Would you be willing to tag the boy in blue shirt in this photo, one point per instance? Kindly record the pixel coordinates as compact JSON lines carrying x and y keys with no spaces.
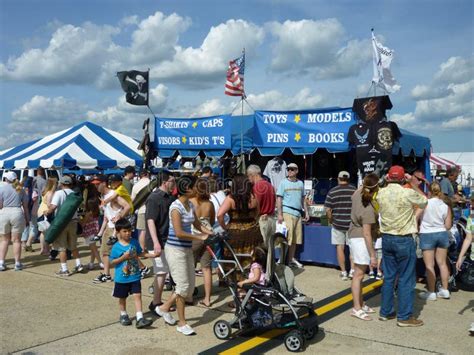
{"x":124,"y":257}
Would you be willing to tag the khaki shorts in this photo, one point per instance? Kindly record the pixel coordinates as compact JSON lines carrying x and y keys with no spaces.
{"x":339,"y":237}
{"x":67,"y":239}
{"x":201,"y":254}
{"x":12,"y":221}
{"x":104,"y":248}
{"x":295,"y":229}
{"x":141,"y":223}
{"x":267,"y":226}
{"x":181,"y":263}
{"x":160,"y":264}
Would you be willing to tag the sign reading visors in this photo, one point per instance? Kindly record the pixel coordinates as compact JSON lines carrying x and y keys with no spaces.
{"x":193,"y":133}
{"x":320,"y":129}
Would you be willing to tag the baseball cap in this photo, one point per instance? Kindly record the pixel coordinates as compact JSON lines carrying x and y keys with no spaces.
{"x":115,"y":178}
{"x":10,"y":176}
{"x":343,"y":175}
{"x":396,"y":173}
{"x":97,"y":179}
{"x":292,"y":165}
{"x":65,"y":180}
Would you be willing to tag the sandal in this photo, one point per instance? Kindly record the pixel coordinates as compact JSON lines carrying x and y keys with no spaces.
{"x":360,"y":314}
{"x":201,"y":302}
{"x":367,"y":309}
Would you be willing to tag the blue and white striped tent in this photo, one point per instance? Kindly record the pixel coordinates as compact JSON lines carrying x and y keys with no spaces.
{"x":85,"y":146}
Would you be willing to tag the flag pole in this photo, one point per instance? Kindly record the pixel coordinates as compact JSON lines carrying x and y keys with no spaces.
{"x":242,"y":98}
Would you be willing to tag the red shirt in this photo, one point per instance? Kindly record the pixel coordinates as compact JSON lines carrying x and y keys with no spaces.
{"x":265,"y":195}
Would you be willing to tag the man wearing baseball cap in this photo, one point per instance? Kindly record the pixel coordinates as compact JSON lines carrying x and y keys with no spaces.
{"x":338,"y":209}
{"x":293,"y":209}
{"x":67,"y":239}
{"x":398,"y":225}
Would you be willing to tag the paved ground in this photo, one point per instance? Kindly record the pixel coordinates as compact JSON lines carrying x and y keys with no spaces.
{"x":42,"y":314}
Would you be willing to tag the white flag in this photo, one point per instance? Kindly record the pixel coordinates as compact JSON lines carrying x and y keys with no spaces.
{"x":382,"y":58}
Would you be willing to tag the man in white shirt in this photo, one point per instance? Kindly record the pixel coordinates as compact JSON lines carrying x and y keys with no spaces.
{"x":67,"y":239}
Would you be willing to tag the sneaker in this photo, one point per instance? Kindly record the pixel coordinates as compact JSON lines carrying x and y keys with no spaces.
{"x":371,"y":275}
{"x":166,"y":316}
{"x":125,"y":320}
{"x":427,"y":296}
{"x":386,"y":318}
{"x":343,"y":276}
{"x":112,"y":240}
{"x":442,"y":293}
{"x":3,"y":267}
{"x":351,"y":274}
{"x":471,"y":330}
{"x":412,"y":322}
{"x":185,"y":329}
{"x":198,"y":273}
{"x":18,"y":267}
{"x":62,"y":273}
{"x":144,"y":272}
{"x":101,"y":265}
{"x":101,"y":278}
{"x":143,"y":323}
{"x":296,"y":263}
{"x":379,"y":276}
{"x":79,"y":268}
{"x":90,"y":266}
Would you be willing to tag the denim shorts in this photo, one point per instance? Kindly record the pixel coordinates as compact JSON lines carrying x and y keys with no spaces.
{"x":431,"y":241}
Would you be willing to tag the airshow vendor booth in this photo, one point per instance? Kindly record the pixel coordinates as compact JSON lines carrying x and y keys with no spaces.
{"x":317,"y":140}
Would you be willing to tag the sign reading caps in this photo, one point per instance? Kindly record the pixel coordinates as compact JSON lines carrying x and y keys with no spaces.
{"x":193,"y":133}
{"x":322,"y":128}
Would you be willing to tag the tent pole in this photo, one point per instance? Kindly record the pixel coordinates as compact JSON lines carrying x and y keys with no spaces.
{"x":242,"y":136}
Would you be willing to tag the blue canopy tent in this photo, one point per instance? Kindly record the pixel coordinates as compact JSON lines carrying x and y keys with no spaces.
{"x":84,"y":146}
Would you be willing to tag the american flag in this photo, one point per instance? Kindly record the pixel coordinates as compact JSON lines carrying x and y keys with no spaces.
{"x":234,"y":86}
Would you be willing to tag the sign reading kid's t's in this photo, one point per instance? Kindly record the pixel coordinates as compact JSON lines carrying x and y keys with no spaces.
{"x":322,"y":128}
{"x":192,"y":133}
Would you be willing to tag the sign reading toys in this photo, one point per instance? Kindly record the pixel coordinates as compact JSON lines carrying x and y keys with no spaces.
{"x":321,"y":129}
{"x":192,"y":133}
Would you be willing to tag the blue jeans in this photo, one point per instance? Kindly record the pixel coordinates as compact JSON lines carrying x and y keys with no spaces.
{"x":398,"y":261}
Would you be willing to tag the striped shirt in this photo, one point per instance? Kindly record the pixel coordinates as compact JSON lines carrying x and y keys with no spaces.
{"x":339,"y":200}
{"x":187,"y":219}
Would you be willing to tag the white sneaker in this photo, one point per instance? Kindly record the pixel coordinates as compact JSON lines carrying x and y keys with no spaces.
{"x":351,"y":274}
{"x":427,"y":296}
{"x":471,"y":330}
{"x":442,"y":293}
{"x":343,"y":276}
{"x":185,"y":329}
{"x":166,"y":316}
{"x":297,"y":263}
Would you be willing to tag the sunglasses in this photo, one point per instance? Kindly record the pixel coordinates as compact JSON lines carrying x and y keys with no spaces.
{"x":291,"y":169}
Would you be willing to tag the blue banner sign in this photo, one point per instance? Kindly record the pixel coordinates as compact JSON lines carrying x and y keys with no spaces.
{"x":193,"y":133}
{"x":327,"y":128}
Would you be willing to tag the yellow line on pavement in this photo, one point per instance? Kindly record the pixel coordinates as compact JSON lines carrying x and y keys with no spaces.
{"x":263,"y":338}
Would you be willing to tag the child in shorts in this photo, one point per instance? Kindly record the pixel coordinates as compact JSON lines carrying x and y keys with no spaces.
{"x":124,"y":257}
{"x":90,"y":228}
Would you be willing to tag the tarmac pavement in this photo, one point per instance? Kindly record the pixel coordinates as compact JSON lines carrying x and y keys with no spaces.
{"x":45,"y":314}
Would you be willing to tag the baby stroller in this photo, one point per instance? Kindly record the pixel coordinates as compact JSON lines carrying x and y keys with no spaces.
{"x":278,"y":304}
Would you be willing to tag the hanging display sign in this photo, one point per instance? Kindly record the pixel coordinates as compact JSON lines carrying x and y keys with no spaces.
{"x":193,"y":133}
{"x":320,"y":129}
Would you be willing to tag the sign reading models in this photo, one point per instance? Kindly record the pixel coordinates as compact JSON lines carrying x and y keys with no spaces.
{"x":193,"y":133}
{"x":319,"y":129}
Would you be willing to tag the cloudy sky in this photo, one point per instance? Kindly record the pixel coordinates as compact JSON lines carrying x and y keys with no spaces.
{"x":59,"y":58}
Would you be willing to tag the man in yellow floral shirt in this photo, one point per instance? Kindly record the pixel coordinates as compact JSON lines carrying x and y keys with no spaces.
{"x":397,"y":225}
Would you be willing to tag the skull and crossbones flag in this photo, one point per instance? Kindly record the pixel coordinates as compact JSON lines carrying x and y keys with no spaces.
{"x":135,"y":85}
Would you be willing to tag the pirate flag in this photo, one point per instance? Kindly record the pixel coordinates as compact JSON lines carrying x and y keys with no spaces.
{"x":135,"y":84}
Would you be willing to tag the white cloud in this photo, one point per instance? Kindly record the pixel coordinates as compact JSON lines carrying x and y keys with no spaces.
{"x":317,"y":47}
{"x":447,"y":102}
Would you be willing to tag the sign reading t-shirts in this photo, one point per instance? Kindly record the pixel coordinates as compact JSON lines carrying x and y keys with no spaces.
{"x":193,"y":133}
{"x":320,"y":129}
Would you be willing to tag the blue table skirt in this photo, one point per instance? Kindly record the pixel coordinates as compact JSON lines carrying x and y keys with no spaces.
{"x":317,"y":247}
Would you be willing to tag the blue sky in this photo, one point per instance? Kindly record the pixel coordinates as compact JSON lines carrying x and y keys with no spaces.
{"x":58,"y":61}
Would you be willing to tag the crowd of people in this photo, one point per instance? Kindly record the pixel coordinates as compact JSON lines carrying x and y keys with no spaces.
{"x":379,"y":224}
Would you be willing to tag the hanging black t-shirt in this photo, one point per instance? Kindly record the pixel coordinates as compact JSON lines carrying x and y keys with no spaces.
{"x":372,"y":109}
{"x":360,"y":135}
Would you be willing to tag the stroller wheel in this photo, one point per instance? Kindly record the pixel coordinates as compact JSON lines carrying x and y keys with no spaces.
{"x":294,"y":341}
{"x":222,"y":330}
{"x":310,"y":333}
